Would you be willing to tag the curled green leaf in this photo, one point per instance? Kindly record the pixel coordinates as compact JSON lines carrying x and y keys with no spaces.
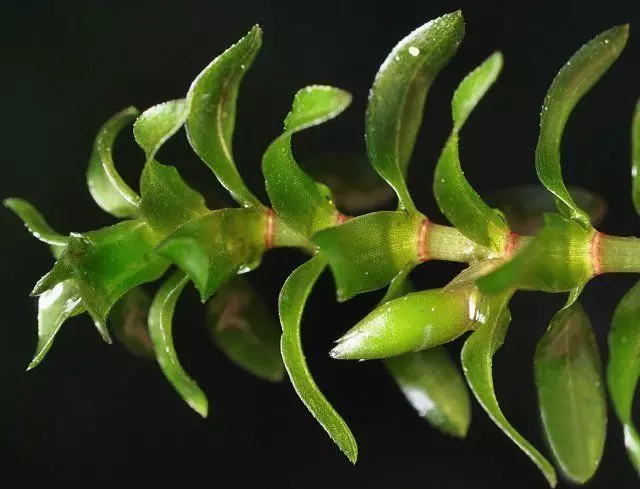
{"x":212,"y":113}
{"x":129,"y":321}
{"x":477,"y":363}
{"x":573,"y":81}
{"x":105,"y":184}
{"x":55,"y":306}
{"x":213,"y":248}
{"x":623,"y":370}
{"x":157,"y":124}
{"x":242,"y":326}
{"x":571,"y":393}
{"x":160,"y":328}
{"x":35,"y":222}
{"x":635,"y":157}
{"x":291,"y":303}
{"x":305,"y":205}
{"x":457,"y":200}
{"x":396,"y":100}
{"x":367,"y":252}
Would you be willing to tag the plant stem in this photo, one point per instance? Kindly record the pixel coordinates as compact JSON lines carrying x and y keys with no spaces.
{"x":448,"y":244}
{"x":619,"y":254}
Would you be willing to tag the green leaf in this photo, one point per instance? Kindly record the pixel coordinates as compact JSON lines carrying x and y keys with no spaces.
{"x":212,"y":113}
{"x":35,"y":223}
{"x":305,"y":205}
{"x":635,"y":157}
{"x":128,"y":320}
{"x":55,"y":306}
{"x":367,"y":252}
{"x":571,"y":393}
{"x":457,"y":200}
{"x":396,"y":100}
{"x":293,"y":296}
{"x":623,"y":370}
{"x":574,"y":80}
{"x":477,"y":363}
{"x":106,"y":185}
{"x":400,"y":285}
{"x":216,"y":246}
{"x":157,"y":124}
{"x":557,"y":259}
{"x":160,"y":328}
{"x":167,"y":201}
{"x":244,"y":329}
{"x":434,"y":387}
{"x":105,"y":264}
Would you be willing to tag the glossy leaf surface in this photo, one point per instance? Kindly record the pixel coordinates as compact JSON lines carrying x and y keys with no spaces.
{"x":635,"y":157}
{"x":157,"y":124}
{"x":106,"y":185}
{"x":571,"y":393}
{"x":167,"y":202}
{"x":293,"y":297}
{"x":35,"y":222}
{"x":477,"y":363}
{"x":302,"y":203}
{"x":396,"y":100}
{"x":55,"y":306}
{"x":367,"y":252}
{"x":557,"y":259}
{"x":575,"y":79}
{"x":213,"y":248}
{"x":129,"y":322}
{"x":242,"y":326}
{"x":457,"y":200}
{"x":623,"y":370}
{"x":161,"y":331}
{"x":212,"y":113}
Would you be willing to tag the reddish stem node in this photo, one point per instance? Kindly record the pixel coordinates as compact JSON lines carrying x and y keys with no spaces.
{"x":594,"y":252}
{"x":268,"y":233}
{"x":423,"y":252}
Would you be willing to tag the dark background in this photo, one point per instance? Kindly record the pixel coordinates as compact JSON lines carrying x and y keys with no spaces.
{"x":92,"y":414}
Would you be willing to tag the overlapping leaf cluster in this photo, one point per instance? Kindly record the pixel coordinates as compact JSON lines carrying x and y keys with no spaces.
{"x":168,"y":225}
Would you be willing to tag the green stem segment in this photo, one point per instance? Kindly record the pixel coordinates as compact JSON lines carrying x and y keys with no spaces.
{"x":615,"y":254}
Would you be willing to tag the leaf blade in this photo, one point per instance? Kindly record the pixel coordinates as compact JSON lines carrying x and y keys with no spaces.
{"x":635,"y":158}
{"x":35,"y":222}
{"x":157,"y":124}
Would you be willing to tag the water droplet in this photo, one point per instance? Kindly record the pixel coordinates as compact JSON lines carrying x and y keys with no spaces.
{"x":414,"y":51}
{"x":397,"y":58}
{"x":606,"y":41}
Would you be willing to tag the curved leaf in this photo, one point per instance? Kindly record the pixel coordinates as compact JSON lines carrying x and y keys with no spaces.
{"x":212,"y":113}
{"x":167,"y":201}
{"x":302,"y":203}
{"x":575,"y":79}
{"x":242,"y":326}
{"x":216,"y":246}
{"x":457,"y":200}
{"x":291,"y":304}
{"x":477,"y":363}
{"x":367,"y":252}
{"x":623,"y":370}
{"x":571,"y":393}
{"x":396,"y":100}
{"x":105,"y":184}
{"x":160,"y":329}
{"x":129,"y":321}
{"x":635,"y":157}
{"x":34,"y":222}
{"x":157,"y":124}
{"x":557,"y":259}
{"x":55,"y":306}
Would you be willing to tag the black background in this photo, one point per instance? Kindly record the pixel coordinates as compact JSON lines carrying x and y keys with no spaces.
{"x":91,"y":414}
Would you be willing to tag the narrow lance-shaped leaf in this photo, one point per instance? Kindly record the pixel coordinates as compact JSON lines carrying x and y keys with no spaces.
{"x":35,"y":222}
{"x":106,"y":185}
{"x":216,"y":246}
{"x":367,"y":252}
{"x":635,"y":157}
{"x":623,"y":370}
{"x":457,"y":200}
{"x":396,"y":100}
{"x":557,"y":259}
{"x":291,"y":304}
{"x":212,"y":113}
{"x":571,"y":393}
{"x":129,"y":321}
{"x":574,"y":80}
{"x":160,"y":328}
{"x":305,"y":205}
{"x":242,"y":326}
{"x":477,"y":363}
{"x":157,"y":124}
